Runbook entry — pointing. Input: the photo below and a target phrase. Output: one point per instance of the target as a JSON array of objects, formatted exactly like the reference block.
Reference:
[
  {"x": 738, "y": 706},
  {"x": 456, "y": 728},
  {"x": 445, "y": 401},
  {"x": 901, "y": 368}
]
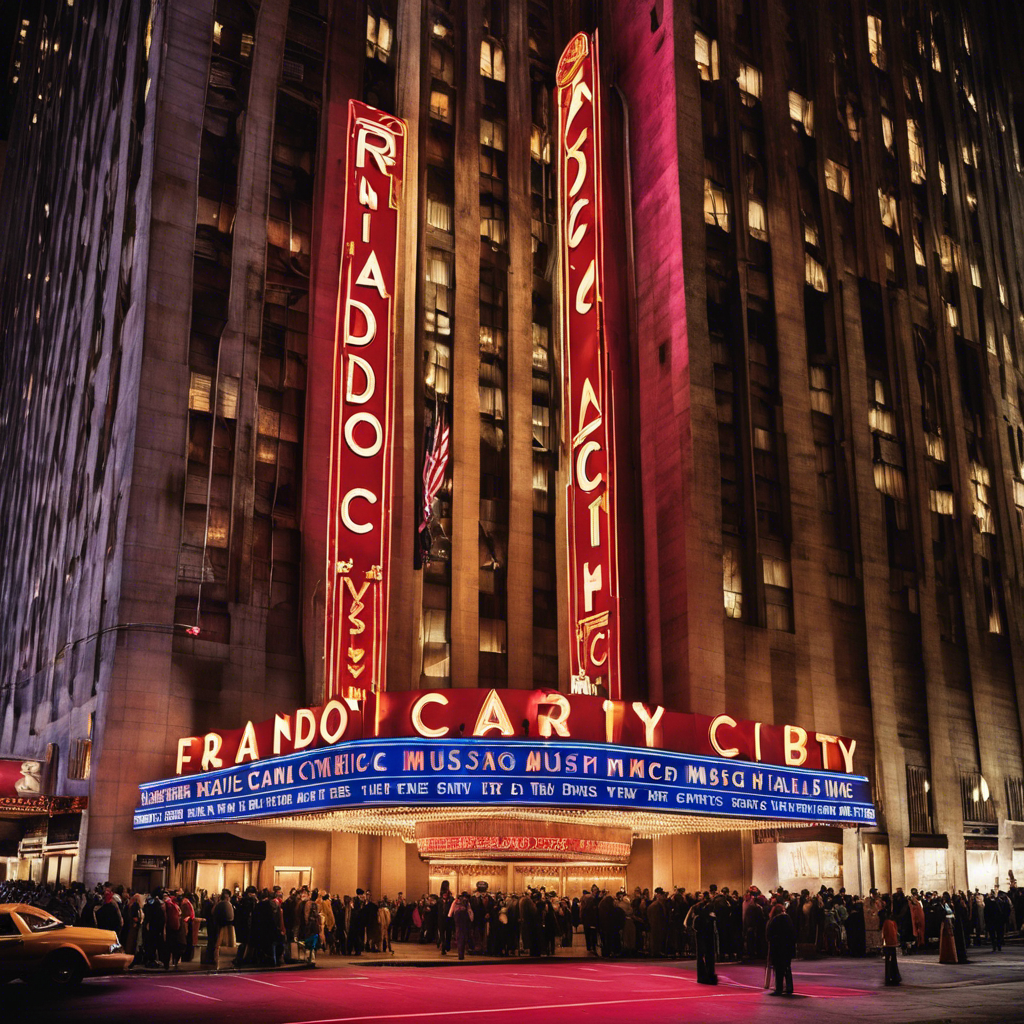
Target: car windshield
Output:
[{"x": 40, "y": 921}]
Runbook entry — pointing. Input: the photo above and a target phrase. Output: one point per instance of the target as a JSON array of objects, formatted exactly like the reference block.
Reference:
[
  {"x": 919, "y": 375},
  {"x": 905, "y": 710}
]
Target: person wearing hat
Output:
[
  {"x": 462, "y": 914},
  {"x": 702, "y": 919}
]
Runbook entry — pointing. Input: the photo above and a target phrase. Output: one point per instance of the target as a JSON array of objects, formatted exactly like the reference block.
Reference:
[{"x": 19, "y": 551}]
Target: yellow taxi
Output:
[{"x": 35, "y": 945}]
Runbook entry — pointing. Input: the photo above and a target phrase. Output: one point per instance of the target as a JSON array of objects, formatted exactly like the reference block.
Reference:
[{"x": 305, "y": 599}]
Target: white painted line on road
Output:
[
  {"x": 308, "y": 981},
  {"x": 493, "y": 983},
  {"x": 189, "y": 992},
  {"x": 468, "y": 1012},
  {"x": 257, "y": 981}
]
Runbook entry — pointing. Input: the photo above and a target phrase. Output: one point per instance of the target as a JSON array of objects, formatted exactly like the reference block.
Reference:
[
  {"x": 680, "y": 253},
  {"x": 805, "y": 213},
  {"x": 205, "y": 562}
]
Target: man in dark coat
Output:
[
  {"x": 657, "y": 920},
  {"x": 588, "y": 917},
  {"x": 703, "y": 920},
  {"x": 154, "y": 923},
  {"x": 530, "y": 923},
  {"x": 781, "y": 937},
  {"x": 610, "y": 935}
]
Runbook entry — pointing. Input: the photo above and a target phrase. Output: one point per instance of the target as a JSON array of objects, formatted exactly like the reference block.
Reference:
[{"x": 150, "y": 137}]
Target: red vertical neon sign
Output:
[
  {"x": 591, "y": 511},
  {"x": 362, "y": 421}
]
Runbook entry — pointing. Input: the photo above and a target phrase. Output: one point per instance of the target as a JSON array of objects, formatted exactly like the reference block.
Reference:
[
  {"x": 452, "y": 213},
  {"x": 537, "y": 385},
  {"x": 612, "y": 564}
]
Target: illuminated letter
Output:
[
  {"x": 247, "y": 749},
  {"x": 333, "y": 737},
  {"x": 303, "y": 738},
  {"x": 609, "y": 719},
  {"x": 757, "y": 741},
  {"x": 211, "y": 748},
  {"x": 346, "y": 518},
  {"x": 824, "y": 739},
  {"x": 588, "y": 399},
  {"x": 383, "y": 155},
  {"x": 371, "y": 277},
  {"x": 417, "y": 714},
  {"x": 796, "y": 745},
  {"x": 595, "y": 638},
  {"x": 583, "y": 304},
  {"x": 493, "y": 716},
  {"x": 576, "y": 236},
  {"x": 367, "y": 197},
  {"x": 591, "y": 583},
  {"x": 350, "y": 425},
  {"x": 650, "y": 721},
  {"x": 572, "y": 152},
  {"x": 547, "y": 723},
  {"x": 282, "y": 729},
  {"x": 586, "y": 484},
  {"x": 847, "y": 754},
  {"x": 371, "y": 380},
  {"x": 185, "y": 743},
  {"x": 371, "y": 323},
  {"x": 717, "y": 721}
]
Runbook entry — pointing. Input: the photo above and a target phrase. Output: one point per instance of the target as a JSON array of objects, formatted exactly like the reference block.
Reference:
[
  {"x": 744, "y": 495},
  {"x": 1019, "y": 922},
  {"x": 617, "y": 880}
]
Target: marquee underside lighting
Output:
[{"x": 402, "y": 821}]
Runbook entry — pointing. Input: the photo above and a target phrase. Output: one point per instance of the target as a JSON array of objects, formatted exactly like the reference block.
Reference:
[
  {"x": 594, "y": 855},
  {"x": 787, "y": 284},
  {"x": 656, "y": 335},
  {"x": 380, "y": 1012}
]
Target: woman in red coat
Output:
[
  {"x": 917, "y": 920},
  {"x": 890, "y": 941}
]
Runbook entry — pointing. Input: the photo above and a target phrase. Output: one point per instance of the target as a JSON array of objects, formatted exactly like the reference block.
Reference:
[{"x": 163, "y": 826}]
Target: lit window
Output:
[
  {"x": 200, "y": 385},
  {"x": 716, "y": 206},
  {"x": 749, "y": 79},
  {"x": 837, "y": 179},
  {"x": 889, "y": 209},
  {"x": 887, "y": 131},
  {"x": 440, "y": 105},
  {"x": 706, "y": 54},
  {"x": 952, "y": 315},
  {"x": 732, "y": 583},
  {"x": 975, "y": 274},
  {"x": 379, "y": 38},
  {"x": 775, "y": 571},
  {"x": 852, "y": 124},
  {"x": 917, "y": 158},
  {"x": 942, "y": 178},
  {"x": 876, "y": 47},
  {"x": 801, "y": 112},
  {"x": 540, "y": 145},
  {"x": 492, "y": 133},
  {"x": 811, "y": 236},
  {"x": 492, "y": 60},
  {"x": 814, "y": 273},
  {"x": 439, "y": 214},
  {"x": 757, "y": 222},
  {"x": 941, "y": 502}
]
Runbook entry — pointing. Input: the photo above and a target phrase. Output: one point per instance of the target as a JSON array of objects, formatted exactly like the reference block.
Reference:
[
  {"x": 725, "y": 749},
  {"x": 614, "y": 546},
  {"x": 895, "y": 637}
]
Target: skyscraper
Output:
[{"x": 812, "y": 216}]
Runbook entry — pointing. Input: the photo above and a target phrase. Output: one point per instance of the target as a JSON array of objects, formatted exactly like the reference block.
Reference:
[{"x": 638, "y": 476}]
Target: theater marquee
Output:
[
  {"x": 359, "y": 496},
  {"x": 505, "y": 773},
  {"x": 591, "y": 512}
]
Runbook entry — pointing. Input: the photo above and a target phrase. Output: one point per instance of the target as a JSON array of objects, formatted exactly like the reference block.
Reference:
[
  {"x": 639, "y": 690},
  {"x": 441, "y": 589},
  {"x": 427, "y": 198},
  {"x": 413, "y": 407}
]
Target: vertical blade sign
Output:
[
  {"x": 587, "y": 411},
  {"x": 362, "y": 427}
]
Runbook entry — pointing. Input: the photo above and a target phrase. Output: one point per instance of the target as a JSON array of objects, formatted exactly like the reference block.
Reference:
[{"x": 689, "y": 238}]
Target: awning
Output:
[{"x": 217, "y": 846}]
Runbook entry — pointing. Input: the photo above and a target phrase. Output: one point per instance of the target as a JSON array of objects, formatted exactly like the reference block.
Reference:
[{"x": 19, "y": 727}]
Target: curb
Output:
[{"x": 205, "y": 972}]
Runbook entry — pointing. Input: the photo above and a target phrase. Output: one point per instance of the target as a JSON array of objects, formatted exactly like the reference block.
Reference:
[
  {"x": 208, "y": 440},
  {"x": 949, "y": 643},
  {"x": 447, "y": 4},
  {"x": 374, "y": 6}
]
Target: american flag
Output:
[{"x": 435, "y": 465}]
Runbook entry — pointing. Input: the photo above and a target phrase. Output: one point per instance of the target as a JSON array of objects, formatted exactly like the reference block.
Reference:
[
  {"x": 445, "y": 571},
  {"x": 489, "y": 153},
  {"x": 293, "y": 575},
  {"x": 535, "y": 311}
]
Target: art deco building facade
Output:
[{"x": 821, "y": 207}]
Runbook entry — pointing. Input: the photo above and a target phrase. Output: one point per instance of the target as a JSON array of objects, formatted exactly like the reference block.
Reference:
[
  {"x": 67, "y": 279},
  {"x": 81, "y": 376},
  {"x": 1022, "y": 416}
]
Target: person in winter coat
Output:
[
  {"x": 133, "y": 944},
  {"x": 530, "y": 924},
  {"x": 611, "y": 934},
  {"x": 917, "y": 921},
  {"x": 154, "y": 924},
  {"x": 588, "y": 918},
  {"x": 701, "y": 919},
  {"x": 781, "y": 936},
  {"x": 462, "y": 914},
  {"x": 222, "y": 915},
  {"x": 657, "y": 922},
  {"x": 890, "y": 940},
  {"x": 108, "y": 913}
]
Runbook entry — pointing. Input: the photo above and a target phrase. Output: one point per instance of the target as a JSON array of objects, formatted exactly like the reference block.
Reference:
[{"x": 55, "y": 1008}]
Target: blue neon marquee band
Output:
[{"x": 287, "y": 785}]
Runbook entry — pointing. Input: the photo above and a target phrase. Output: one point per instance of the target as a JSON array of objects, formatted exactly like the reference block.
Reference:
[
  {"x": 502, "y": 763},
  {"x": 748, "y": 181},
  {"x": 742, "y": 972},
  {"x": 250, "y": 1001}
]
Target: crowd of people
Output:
[{"x": 268, "y": 927}]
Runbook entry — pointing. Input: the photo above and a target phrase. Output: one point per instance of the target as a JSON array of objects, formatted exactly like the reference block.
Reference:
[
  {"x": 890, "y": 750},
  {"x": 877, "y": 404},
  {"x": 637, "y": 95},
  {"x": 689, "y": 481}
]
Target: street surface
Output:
[{"x": 570, "y": 991}]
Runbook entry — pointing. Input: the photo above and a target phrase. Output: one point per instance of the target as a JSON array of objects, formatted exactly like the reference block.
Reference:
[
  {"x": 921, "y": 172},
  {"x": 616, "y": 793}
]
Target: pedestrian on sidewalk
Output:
[
  {"x": 890, "y": 942},
  {"x": 314, "y": 925},
  {"x": 462, "y": 914},
  {"x": 781, "y": 937}
]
